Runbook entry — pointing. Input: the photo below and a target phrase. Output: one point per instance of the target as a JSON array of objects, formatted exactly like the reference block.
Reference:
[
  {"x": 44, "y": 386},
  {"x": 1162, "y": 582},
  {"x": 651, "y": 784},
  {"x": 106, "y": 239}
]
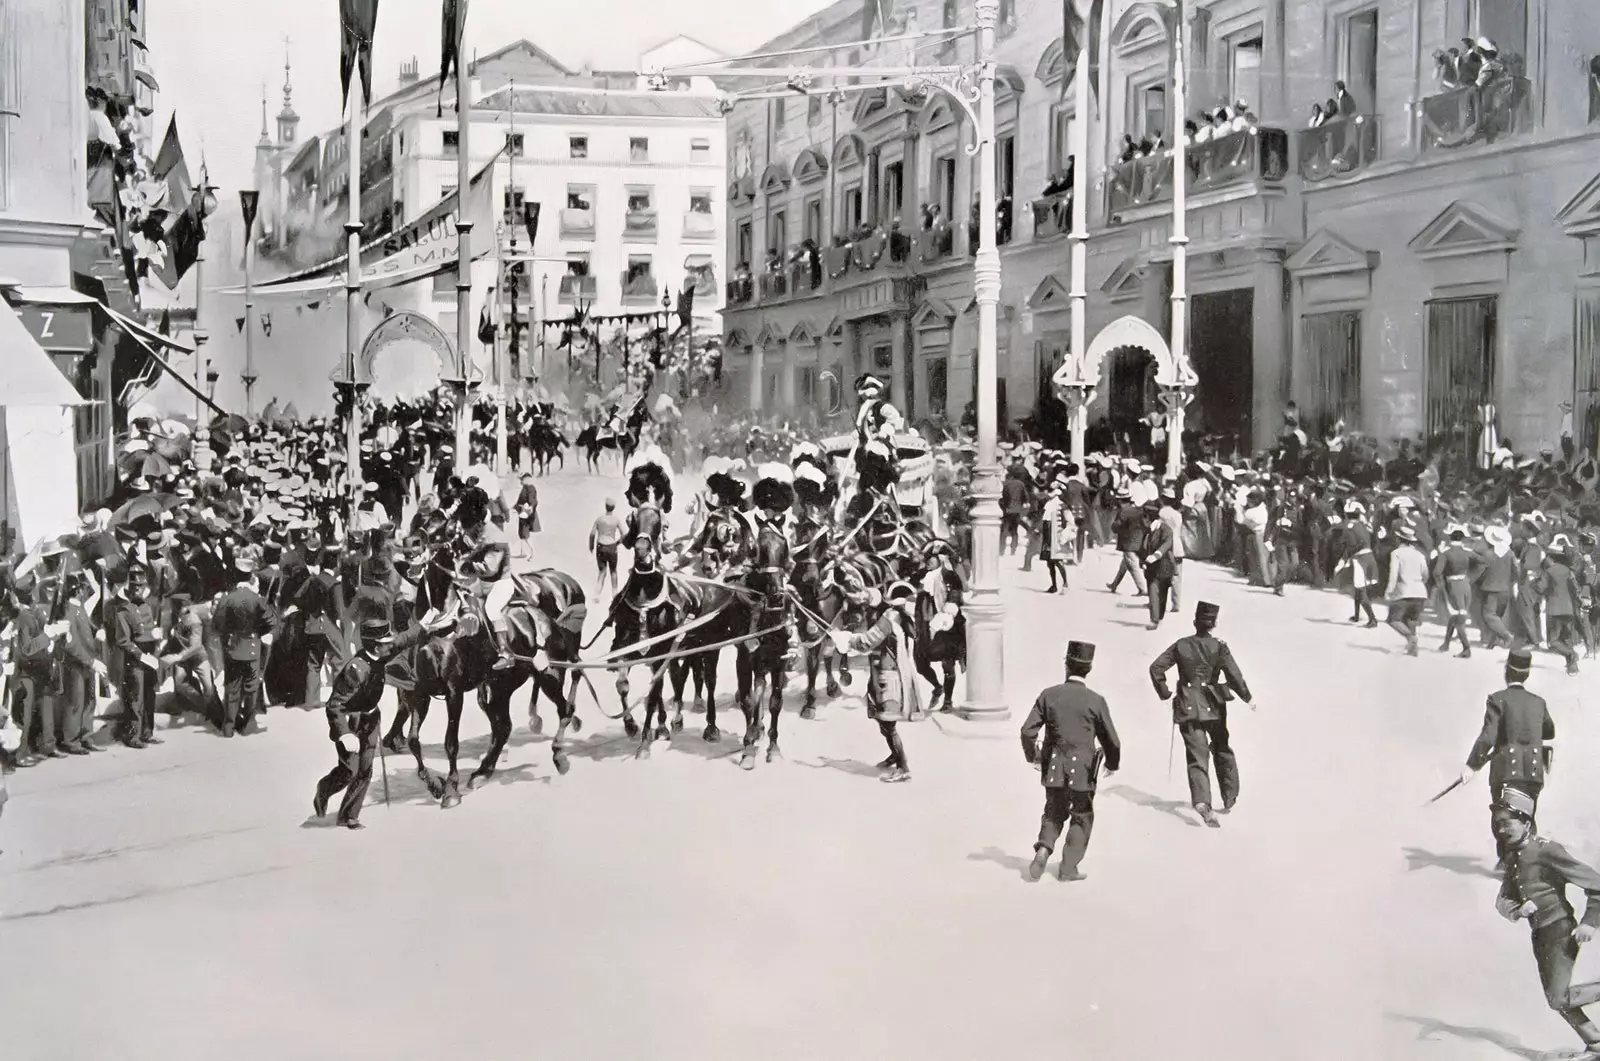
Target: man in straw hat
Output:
[
  {"x": 1079, "y": 738},
  {"x": 353, "y": 714},
  {"x": 1538, "y": 873},
  {"x": 1408, "y": 586},
  {"x": 1496, "y": 582},
  {"x": 1208, "y": 678},
  {"x": 1515, "y": 742}
]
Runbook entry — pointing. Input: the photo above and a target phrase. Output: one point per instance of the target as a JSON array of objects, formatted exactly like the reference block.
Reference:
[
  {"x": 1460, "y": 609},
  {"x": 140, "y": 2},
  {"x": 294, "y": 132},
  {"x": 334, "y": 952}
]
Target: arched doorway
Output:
[{"x": 1131, "y": 392}]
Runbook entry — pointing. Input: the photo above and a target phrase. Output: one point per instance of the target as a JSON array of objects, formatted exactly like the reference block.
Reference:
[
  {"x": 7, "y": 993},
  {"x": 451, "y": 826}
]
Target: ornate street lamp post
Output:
[{"x": 972, "y": 89}]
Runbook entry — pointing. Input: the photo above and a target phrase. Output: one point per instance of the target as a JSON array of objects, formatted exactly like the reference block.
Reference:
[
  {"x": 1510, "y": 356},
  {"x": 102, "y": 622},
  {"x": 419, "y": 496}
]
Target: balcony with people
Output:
[
  {"x": 1339, "y": 140},
  {"x": 577, "y": 217},
  {"x": 937, "y": 240},
  {"x": 639, "y": 283},
  {"x": 1223, "y": 147},
  {"x": 1483, "y": 96},
  {"x": 576, "y": 284},
  {"x": 640, "y": 220},
  {"x": 773, "y": 283},
  {"x": 805, "y": 268},
  {"x": 1052, "y": 210},
  {"x": 740, "y": 289}
]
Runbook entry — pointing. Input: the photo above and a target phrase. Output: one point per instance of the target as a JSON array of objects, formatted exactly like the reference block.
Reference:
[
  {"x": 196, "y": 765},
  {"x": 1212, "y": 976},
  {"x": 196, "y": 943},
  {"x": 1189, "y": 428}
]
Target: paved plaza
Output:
[{"x": 176, "y": 904}]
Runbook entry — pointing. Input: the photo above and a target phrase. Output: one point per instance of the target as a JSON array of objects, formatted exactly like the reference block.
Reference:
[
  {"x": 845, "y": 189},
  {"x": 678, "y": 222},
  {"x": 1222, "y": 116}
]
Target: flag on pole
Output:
[
  {"x": 358, "y": 21},
  {"x": 1079, "y": 36},
  {"x": 530, "y": 223},
  {"x": 238, "y": 323},
  {"x": 170, "y": 168},
  {"x": 451, "y": 32}
]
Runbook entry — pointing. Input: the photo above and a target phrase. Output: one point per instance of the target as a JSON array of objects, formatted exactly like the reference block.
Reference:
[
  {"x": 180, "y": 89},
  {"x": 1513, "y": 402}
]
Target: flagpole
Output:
[
  {"x": 352, "y": 286},
  {"x": 511, "y": 198},
  {"x": 202, "y": 432},
  {"x": 249, "y": 376},
  {"x": 464, "y": 250},
  {"x": 1078, "y": 295},
  {"x": 1180, "y": 251}
]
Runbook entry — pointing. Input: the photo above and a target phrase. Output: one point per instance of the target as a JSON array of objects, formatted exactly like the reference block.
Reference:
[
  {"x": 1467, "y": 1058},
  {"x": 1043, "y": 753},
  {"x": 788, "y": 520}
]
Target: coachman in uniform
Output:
[
  {"x": 1207, "y": 679},
  {"x": 353, "y": 715},
  {"x": 1538, "y": 873},
  {"x": 1078, "y": 739},
  {"x": 1514, "y": 743}
]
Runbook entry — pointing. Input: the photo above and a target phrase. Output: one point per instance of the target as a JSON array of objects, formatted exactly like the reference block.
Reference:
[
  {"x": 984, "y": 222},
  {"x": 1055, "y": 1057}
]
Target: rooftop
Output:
[{"x": 597, "y": 103}]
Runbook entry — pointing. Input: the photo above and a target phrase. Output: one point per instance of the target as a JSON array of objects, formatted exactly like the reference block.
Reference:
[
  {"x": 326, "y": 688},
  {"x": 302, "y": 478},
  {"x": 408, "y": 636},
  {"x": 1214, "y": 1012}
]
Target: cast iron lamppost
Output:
[
  {"x": 972, "y": 89},
  {"x": 249, "y": 200}
]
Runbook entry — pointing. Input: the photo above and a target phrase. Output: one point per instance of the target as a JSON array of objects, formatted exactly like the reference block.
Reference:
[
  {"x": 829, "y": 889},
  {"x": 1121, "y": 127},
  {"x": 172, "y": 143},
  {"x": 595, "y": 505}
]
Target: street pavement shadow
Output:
[
  {"x": 1464, "y": 865},
  {"x": 406, "y": 787},
  {"x": 1429, "y": 1028},
  {"x": 1173, "y": 807},
  {"x": 844, "y": 766},
  {"x": 1004, "y": 859},
  {"x": 1130, "y": 623}
]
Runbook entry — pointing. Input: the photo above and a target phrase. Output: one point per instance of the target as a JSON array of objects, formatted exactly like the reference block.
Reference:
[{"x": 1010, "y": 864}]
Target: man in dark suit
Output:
[
  {"x": 1514, "y": 742},
  {"x": 134, "y": 635},
  {"x": 80, "y": 665},
  {"x": 1159, "y": 565},
  {"x": 353, "y": 716},
  {"x": 242, "y": 622},
  {"x": 527, "y": 509},
  {"x": 1207, "y": 679},
  {"x": 1078, "y": 738}
]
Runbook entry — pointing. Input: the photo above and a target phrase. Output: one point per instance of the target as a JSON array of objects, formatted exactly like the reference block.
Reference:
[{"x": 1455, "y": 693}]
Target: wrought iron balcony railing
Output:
[
  {"x": 1259, "y": 154},
  {"x": 1339, "y": 148},
  {"x": 1475, "y": 114}
]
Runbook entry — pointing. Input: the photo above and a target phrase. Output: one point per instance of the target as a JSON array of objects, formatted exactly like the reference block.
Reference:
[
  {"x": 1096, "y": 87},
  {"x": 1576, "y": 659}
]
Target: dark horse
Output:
[
  {"x": 820, "y": 601},
  {"x": 596, "y": 438},
  {"x": 721, "y": 555},
  {"x": 545, "y": 441},
  {"x": 538, "y": 634}
]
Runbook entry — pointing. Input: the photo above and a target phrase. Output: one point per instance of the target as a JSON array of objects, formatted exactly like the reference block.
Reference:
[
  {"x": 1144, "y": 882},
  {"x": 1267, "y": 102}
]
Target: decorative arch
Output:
[
  {"x": 850, "y": 150},
  {"x": 938, "y": 114},
  {"x": 405, "y": 326},
  {"x": 775, "y": 179},
  {"x": 1142, "y": 24},
  {"x": 737, "y": 339},
  {"x": 1052, "y": 66},
  {"x": 810, "y": 167},
  {"x": 870, "y": 102},
  {"x": 1124, "y": 332}
]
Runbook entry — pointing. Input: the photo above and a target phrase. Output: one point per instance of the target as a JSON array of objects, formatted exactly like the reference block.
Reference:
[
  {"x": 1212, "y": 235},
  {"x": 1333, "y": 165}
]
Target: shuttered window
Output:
[
  {"x": 1331, "y": 387},
  {"x": 1460, "y": 370},
  {"x": 1586, "y": 371}
]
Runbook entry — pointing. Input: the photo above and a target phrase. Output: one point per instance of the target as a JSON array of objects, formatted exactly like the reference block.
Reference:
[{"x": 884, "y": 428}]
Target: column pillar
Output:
[
  {"x": 1273, "y": 106},
  {"x": 1204, "y": 89},
  {"x": 787, "y": 379},
  {"x": 1154, "y": 296},
  {"x": 897, "y": 368},
  {"x": 758, "y": 372},
  {"x": 1270, "y": 360}
]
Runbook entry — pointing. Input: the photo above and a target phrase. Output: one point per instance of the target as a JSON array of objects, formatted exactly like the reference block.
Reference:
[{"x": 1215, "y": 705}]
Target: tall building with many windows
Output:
[
  {"x": 1422, "y": 259},
  {"x": 629, "y": 182}
]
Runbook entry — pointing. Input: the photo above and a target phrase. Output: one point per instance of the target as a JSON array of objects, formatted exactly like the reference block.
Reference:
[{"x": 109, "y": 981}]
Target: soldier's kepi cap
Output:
[
  {"x": 1515, "y": 801},
  {"x": 373, "y": 629},
  {"x": 1080, "y": 652},
  {"x": 1519, "y": 662},
  {"x": 1206, "y": 612}
]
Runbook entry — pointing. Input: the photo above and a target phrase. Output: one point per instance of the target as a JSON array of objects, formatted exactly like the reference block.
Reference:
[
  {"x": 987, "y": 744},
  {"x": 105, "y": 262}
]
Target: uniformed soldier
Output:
[
  {"x": 134, "y": 635},
  {"x": 1207, "y": 679},
  {"x": 353, "y": 715},
  {"x": 1515, "y": 742},
  {"x": 1538, "y": 873},
  {"x": 1078, "y": 739},
  {"x": 891, "y": 690},
  {"x": 242, "y": 622}
]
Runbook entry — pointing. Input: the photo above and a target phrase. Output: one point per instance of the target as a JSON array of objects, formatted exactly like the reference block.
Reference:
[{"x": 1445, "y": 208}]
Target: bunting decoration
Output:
[
  {"x": 266, "y": 325},
  {"x": 314, "y": 306},
  {"x": 238, "y": 323},
  {"x": 358, "y": 21},
  {"x": 454, "y": 23},
  {"x": 388, "y": 311}
]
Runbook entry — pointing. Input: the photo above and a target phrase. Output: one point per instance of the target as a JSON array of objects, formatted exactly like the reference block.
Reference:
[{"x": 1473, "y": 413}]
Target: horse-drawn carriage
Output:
[{"x": 914, "y": 490}]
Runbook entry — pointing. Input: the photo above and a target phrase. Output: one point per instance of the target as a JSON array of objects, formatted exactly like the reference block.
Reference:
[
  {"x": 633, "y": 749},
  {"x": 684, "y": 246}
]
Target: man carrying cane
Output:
[{"x": 353, "y": 715}]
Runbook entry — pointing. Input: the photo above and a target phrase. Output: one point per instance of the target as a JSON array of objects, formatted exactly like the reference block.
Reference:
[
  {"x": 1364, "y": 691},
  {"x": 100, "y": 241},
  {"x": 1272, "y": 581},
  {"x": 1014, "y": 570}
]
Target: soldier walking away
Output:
[
  {"x": 1538, "y": 873},
  {"x": 242, "y": 623},
  {"x": 1515, "y": 743},
  {"x": 353, "y": 715},
  {"x": 1079, "y": 738},
  {"x": 1208, "y": 678},
  {"x": 1453, "y": 570}
]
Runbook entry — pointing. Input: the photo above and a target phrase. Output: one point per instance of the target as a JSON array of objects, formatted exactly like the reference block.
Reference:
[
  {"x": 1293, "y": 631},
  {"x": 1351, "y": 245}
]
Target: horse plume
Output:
[
  {"x": 649, "y": 479},
  {"x": 775, "y": 487}
]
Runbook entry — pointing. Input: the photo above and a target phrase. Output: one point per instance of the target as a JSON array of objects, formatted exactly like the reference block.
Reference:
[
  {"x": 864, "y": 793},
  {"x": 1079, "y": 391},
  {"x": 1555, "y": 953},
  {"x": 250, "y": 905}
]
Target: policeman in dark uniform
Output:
[
  {"x": 1514, "y": 742},
  {"x": 1207, "y": 679},
  {"x": 1538, "y": 873},
  {"x": 353, "y": 716},
  {"x": 242, "y": 622},
  {"x": 134, "y": 636},
  {"x": 1078, "y": 739}
]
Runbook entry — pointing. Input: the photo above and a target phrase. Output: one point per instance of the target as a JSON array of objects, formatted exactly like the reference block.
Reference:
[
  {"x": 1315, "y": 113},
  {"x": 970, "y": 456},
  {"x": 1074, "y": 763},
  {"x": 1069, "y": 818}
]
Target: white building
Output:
[{"x": 630, "y": 185}]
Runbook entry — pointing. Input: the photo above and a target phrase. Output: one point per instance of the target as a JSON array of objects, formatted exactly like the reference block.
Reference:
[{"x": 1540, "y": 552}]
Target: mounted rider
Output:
[
  {"x": 484, "y": 571},
  {"x": 771, "y": 564}
]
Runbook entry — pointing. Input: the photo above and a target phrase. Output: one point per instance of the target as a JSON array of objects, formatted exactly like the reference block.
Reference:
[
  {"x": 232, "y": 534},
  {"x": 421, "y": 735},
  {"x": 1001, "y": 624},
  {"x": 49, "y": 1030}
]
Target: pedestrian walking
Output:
[
  {"x": 1453, "y": 570},
  {"x": 1538, "y": 873},
  {"x": 1497, "y": 584},
  {"x": 1408, "y": 586},
  {"x": 1057, "y": 535},
  {"x": 604, "y": 538},
  {"x": 353, "y": 715},
  {"x": 1129, "y": 530},
  {"x": 1208, "y": 678},
  {"x": 1079, "y": 739},
  {"x": 1159, "y": 567},
  {"x": 1562, "y": 595},
  {"x": 527, "y": 509},
  {"x": 1514, "y": 742}
]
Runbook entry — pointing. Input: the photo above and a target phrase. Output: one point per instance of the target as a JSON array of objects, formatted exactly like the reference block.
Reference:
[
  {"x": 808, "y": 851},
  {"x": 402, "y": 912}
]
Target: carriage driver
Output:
[
  {"x": 486, "y": 560},
  {"x": 875, "y": 417}
]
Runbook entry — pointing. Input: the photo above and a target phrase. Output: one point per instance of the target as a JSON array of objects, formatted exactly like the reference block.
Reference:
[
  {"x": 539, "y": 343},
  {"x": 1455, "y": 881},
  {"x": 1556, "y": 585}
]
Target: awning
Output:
[
  {"x": 137, "y": 333},
  {"x": 52, "y": 296},
  {"x": 149, "y": 337},
  {"x": 27, "y": 375}
]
